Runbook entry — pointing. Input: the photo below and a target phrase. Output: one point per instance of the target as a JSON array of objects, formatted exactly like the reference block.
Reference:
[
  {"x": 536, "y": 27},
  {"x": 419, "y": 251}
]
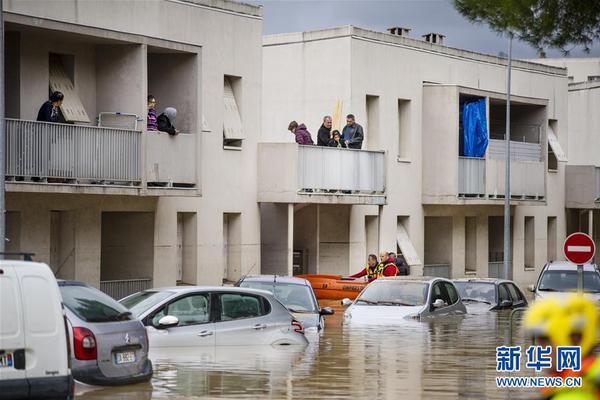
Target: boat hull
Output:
[{"x": 333, "y": 287}]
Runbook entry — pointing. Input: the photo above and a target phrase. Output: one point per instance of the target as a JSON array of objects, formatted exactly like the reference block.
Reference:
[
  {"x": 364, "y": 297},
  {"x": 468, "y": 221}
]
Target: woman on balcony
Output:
[{"x": 50, "y": 110}]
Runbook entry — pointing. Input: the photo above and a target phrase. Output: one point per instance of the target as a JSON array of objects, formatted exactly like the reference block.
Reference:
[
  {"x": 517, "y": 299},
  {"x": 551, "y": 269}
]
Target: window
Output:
[
  {"x": 91, "y": 305},
  {"x": 503, "y": 294},
  {"x": 470, "y": 244},
  {"x": 372, "y": 134},
  {"x": 452, "y": 294},
  {"x": 297, "y": 298},
  {"x": 233, "y": 131},
  {"x": 515, "y": 294},
  {"x": 438, "y": 292},
  {"x": 551, "y": 239},
  {"x": 529, "y": 242},
  {"x": 404, "y": 130},
  {"x": 239, "y": 306},
  {"x": 555, "y": 151},
  {"x": 190, "y": 310}
]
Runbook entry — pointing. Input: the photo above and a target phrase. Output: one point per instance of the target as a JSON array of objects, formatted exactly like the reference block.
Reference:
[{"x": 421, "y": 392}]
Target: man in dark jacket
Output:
[
  {"x": 165, "y": 121},
  {"x": 324, "y": 136},
  {"x": 400, "y": 264},
  {"x": 50, "y": 110},
  {"x": 301, "y": 133},
  {"x": 352, "y": 134}
]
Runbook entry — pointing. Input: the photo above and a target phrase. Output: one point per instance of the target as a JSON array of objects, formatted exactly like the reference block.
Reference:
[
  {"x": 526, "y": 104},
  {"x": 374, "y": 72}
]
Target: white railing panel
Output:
[
  {"x": 72, "y": 152},
  {"x": 326, "y": 168},
  {"x": 519, "y": 151},
  {"x": 471, "y": 176},
  {"x": 526, "y": 178}
]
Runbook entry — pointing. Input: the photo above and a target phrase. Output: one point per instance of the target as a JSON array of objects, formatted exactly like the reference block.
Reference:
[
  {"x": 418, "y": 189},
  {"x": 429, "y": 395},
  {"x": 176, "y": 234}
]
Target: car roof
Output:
[
  {"x": 190, "y": 289},
  {"x": 65, "y": 282},
  {"x": 566, "y": 265},
  {"x": 277, "y": 278},
  {"x": 482, "y": 280},
  {"x": 424, "y": 279},
  {"x": 20, "y": 263}
]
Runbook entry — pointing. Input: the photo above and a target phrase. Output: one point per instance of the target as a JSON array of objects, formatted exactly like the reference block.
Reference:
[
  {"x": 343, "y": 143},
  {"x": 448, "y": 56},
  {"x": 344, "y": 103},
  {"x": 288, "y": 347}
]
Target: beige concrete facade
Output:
[
  {"x": 200, "y": 222},
  {"x": 407, "y": 93}
]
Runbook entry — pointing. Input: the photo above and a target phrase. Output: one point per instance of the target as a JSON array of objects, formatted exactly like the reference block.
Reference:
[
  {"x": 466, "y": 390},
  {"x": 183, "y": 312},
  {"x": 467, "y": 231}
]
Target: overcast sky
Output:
[{"x": 422, "y": 16}]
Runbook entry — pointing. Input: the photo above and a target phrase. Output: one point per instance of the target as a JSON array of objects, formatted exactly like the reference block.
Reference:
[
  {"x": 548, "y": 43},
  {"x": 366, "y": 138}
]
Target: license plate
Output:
[
  {"x": 6, "y": 360},
  {"x": 125, "y": 357}
]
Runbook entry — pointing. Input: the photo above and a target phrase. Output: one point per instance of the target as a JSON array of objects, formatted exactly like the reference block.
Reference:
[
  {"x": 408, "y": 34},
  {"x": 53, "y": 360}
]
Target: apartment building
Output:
[
  {"x": 100, "y": 198},
  {"x": 411, "y": 188}
]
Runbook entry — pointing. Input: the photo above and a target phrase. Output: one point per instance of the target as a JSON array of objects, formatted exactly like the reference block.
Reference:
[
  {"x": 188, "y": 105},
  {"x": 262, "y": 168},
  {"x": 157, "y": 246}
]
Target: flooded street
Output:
[{"x": 446, "y": 358}]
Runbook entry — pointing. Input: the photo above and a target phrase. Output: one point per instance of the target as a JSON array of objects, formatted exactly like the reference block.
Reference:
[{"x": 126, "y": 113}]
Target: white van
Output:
[{"x": 34, "y": 359}]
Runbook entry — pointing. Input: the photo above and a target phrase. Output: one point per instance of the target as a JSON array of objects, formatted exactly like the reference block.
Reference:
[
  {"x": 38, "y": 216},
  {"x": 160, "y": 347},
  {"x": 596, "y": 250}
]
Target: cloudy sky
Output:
[{"x": 422, "y": 16}]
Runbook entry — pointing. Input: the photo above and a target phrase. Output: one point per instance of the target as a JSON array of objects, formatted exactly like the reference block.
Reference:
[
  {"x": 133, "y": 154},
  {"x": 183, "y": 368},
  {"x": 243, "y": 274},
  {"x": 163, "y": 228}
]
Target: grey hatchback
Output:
[{"x": 108, "y": 345}]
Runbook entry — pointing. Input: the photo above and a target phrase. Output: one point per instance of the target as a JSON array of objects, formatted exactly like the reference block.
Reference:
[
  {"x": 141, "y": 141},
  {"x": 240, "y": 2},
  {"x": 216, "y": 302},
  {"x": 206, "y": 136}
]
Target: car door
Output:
[
  {"x": 242, "y": 319},
  {"x": 194, "y": 328},
  {"x": 518, "y": 299},
  {"x": 455, "y": 306},
  {"x": 438, "y": 291}
]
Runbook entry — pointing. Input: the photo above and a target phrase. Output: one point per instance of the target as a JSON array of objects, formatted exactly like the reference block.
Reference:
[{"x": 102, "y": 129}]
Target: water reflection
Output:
[{"x": 446, "y": 358}]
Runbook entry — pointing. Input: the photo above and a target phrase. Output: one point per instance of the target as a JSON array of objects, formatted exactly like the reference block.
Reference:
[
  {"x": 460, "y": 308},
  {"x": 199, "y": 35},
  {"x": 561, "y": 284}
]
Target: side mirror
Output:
[
  {"x": 326, "y": 311},
  {"x": 439, "y": 303},
  {"x": 506, "y": 304},
  {"x": 531, "y": 288},
  {"x": 168, "y": 321},
  {"x": 346, "y": 302}
]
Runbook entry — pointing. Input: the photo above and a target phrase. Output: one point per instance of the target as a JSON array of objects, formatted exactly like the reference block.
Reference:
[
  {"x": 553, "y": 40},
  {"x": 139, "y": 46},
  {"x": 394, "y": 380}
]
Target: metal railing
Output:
[
  {"x": 471, "y": 176},
  {"x": 519, "y": 151},
  {"x": 329, "y": 168},
  {"x": 438, "y": 270},
  {"x": 495, "y": 269},
  {"x": 118, "y": 289},
  {"x": 72, "y": 152}
]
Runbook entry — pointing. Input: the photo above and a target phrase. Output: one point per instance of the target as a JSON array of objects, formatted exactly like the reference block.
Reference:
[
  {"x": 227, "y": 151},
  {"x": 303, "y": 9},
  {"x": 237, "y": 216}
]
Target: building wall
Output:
[
  {"x": 227, "y": 37},
  {"x": 578, "y": 68},
  {"x": 584, "y": 124}
]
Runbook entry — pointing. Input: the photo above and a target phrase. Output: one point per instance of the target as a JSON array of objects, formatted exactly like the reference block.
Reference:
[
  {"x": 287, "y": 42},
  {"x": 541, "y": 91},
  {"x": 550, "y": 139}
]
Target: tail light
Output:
[
  {"x": 84, "y": 344},
  {"x": 297, "y": 326}
]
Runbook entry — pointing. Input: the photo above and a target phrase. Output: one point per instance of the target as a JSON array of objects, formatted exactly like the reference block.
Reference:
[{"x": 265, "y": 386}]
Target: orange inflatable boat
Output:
[{"x": 333, "y": 287}]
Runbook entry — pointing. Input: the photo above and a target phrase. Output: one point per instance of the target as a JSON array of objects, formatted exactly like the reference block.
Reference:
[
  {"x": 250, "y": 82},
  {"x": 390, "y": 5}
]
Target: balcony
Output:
[
  {"x": 55, "y": 157},
  {"x": 289, "y": 173},
  {"x": 582, "y": 186}
]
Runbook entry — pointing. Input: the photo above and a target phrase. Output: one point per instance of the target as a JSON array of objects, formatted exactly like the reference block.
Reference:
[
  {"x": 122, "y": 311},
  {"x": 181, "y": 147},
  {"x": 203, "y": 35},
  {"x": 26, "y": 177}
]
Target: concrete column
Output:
[
  {"x": 88, "y": 241},
  {"x": 290, "y": 239},
  {"x": 482, "y": 245},
  {"x": 458, "y": 246},
  {"x": 35, "y": 232},
  {"x": 357, "y": 239},
  {"x": 165, "y": 246},
  {"x": 591, "y": 223}
]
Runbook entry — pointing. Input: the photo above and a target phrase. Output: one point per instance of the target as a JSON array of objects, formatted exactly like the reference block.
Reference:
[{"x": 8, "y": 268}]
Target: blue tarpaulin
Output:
[{"x": 475, "y": 135}]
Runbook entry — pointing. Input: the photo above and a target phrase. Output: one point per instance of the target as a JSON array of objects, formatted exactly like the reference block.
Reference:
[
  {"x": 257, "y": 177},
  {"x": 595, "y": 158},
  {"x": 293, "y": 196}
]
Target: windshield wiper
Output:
[
  {"x": 300, "y": 311},
  {"x": 476, "y": 300},
  {"x": 367, "y": 301},
  {"x": 394, "y": 303},
  {"x": 548, "y": 290}
]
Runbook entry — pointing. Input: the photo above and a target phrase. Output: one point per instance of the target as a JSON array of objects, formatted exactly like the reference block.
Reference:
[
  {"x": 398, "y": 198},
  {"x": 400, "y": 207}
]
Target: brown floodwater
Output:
[{"x": 447, "y": 358}]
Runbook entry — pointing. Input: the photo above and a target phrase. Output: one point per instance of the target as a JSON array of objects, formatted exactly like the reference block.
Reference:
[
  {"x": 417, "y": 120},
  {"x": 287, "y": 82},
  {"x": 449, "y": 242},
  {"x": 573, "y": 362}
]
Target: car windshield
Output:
[
  {"x": 563, "y": 281},
  {"x": 92, "y": 305},
  {"x": 142, "y": 301},
  {"x": 394, "y": 293},
  {"x": 478, "y": 291},
  {"x": 297, "y": 298}
]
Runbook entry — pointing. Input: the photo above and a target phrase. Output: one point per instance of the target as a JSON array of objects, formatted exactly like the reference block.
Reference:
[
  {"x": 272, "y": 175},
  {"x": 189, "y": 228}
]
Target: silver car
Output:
[
  {"x": 295, "y": 293},
  {"x": 211, "y": 316},
  {"x": 108, "y": 345},
  {"x": 560, "y": 277},
  {"x": 392, "y": 300}
]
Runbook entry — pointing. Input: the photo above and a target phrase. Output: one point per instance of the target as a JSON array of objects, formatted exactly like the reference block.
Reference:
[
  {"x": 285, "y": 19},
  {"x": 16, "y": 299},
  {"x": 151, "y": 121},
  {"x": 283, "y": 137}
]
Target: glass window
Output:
[
  {"x": 297, "y": 298},
  {"x": 503, "y": 294},
  {"x": 561, "y": 281},
  {"x": 238, "y": 306},
  {"x": 92, "y": 305},
  {"x": 514, "y": 293},
  {"x": 439, "y": 293},
  {"x": 394, "y": 293},
  {"x": 190, "y": 310},
  {"x": 452, "y": 295},
  {"x": 478, "y": 291},
  {"x": 143, "y": 301}
]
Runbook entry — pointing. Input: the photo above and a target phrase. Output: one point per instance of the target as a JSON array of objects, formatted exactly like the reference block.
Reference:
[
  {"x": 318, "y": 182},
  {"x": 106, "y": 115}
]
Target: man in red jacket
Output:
[{"x": 375, "y": 270}]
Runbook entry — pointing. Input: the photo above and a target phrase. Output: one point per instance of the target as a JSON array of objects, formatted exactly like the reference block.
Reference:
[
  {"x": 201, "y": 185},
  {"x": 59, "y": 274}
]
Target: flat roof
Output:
[{"x": 407, "y": 42}]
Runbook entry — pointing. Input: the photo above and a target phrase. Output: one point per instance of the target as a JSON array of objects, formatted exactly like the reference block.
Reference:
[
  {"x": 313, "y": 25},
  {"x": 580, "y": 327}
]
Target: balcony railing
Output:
[
  {"x": 118, "y": 289},
  {"x": 471, "y": 177},
  {"x": 72, "y": 153},
  {"x": 519, "y": 151},
  {"x": 527, "y": 179},
  {"x": 328, "y": 168}
]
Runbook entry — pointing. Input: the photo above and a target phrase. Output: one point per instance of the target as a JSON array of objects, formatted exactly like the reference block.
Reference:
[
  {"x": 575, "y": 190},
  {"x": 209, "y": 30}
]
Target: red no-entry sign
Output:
[{"x": 579, "y": 248}]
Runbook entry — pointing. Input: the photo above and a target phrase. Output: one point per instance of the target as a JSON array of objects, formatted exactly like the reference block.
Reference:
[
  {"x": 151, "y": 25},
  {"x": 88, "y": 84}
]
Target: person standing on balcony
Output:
[
  {"x": 50, "y": 110},
  {"x": 301, "y": 133},
  {"x": 152, "y": 125},
  {"x": 165, "y": 120},
  {"x": 325, "y": 135},
  {"x": 352, "y": 134},
  {"x": 337, "y": 140}
]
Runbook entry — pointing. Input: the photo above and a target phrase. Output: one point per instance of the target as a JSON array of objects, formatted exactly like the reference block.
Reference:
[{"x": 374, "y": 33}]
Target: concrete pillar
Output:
[
  {"x": 458, "y": 246},
  {"x": 357, "y": 239},
  {"x": 277, "y": 240},
  {"x": 482, "y": 245},
  {"x": 290, "y": 239},
  {"x": 591, "y": 223},
  {"x": 165, "y": 246},
  {"x": 35, "y": 232},
  {"x": 88, "y": 241}
]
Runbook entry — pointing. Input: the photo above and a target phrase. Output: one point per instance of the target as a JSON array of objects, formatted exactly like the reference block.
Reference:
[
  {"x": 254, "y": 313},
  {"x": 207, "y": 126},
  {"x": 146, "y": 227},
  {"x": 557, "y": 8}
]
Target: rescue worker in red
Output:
[{"x": 374, "y": 270}]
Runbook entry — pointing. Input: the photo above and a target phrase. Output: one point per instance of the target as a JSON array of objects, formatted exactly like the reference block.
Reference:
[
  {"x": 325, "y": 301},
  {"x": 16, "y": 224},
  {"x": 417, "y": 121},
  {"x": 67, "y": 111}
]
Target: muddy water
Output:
[{"x": 443, "y": 359}]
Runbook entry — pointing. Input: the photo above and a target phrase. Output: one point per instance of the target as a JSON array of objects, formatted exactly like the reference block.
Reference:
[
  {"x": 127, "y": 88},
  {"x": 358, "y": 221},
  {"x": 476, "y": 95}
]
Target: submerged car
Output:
[
  {"x": 207, "y": 316},
  {"x": 496, "y": 293},
  {"x": 108, "y": 345},
  {"x": 560, "y": 277},
  {"x": 390, "y": 300},
  {"x": 295, "y": 293}
]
